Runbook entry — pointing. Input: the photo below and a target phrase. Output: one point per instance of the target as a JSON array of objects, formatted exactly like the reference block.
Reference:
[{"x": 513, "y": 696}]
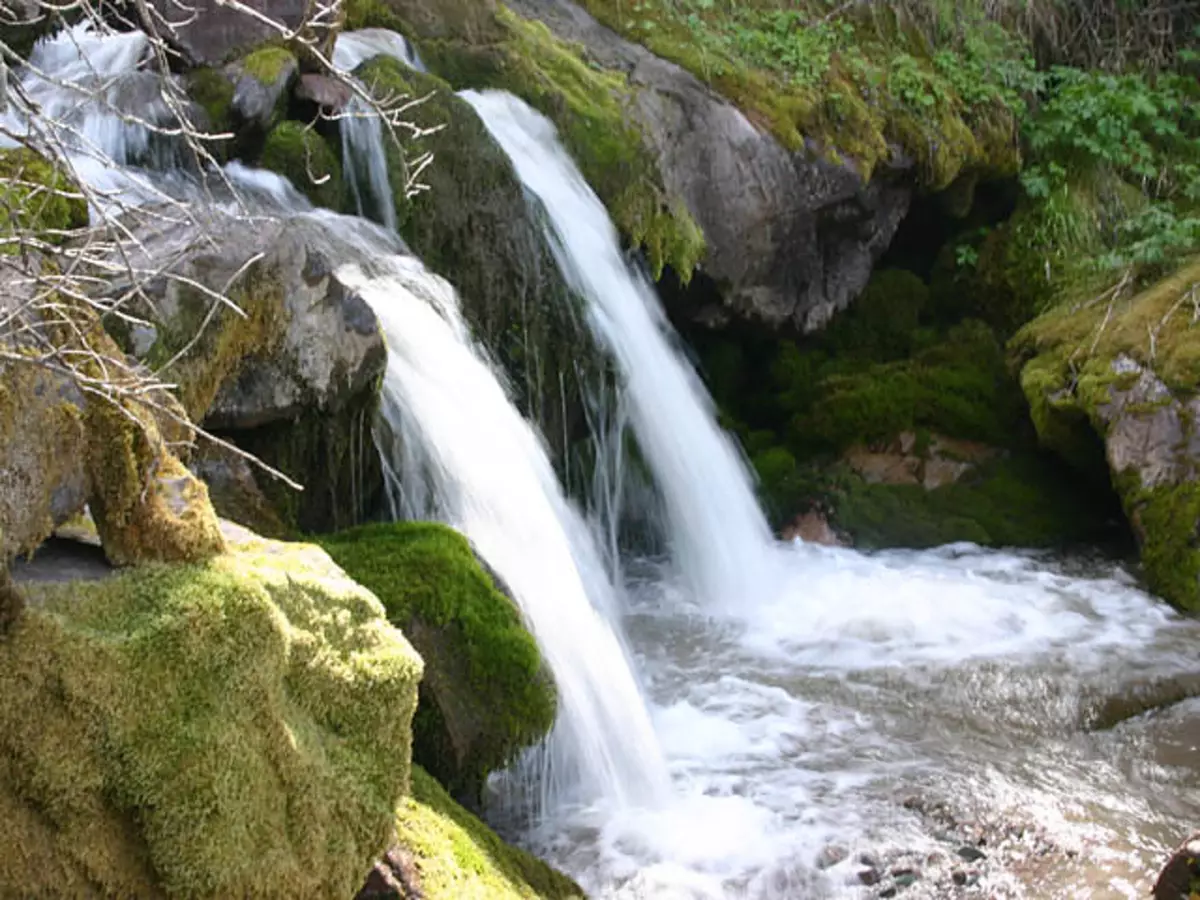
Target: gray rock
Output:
[
  {"x": 794, "y": 238},
  {"x": 328, "y": 93},
  {"x": 257, "y": 102},
  {"x": 210, "y": 32}
]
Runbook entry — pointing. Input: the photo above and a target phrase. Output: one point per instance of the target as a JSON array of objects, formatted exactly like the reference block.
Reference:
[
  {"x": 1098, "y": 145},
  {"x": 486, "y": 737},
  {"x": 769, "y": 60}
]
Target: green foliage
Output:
[
  {"x": 234, "y": 729},
  {"x": 487, "y": 694},
  {"x": 460, "y": 858},
  {"x": 851, "y": 76},
  {"x": 305, "y": 158}
]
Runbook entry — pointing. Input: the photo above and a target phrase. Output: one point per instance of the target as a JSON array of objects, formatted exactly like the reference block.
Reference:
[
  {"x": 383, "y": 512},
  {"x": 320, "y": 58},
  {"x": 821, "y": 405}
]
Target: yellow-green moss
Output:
[
  {"x": 266, "y": 64},
  {"x": 851, "y": 81},
  {"x": 147, "y": 506},
  {"x": 36, "y": 197},
  {"x": 305, "y": 158},
  {"x": 487, "y": 694},
  {"x": 459, "y": 858},
  {"x": 233, "y": 729}
]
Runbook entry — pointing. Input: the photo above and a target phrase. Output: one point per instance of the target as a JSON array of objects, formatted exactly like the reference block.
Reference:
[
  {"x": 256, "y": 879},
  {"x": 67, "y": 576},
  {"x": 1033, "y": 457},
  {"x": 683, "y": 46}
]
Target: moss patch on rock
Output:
[
  {"x": 37, "y": 197},
  {"x": 487, "y": 693},
  {"x": 459, "y": 858},
  {"x": 233, "y": 729},
  {"x": 305, "y": 158}
]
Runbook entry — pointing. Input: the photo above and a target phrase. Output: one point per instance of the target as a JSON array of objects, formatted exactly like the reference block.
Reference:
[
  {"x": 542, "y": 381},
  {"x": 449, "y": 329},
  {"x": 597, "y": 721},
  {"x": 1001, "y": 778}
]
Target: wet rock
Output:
[
  {"x": 1180, "y": 877},
  {"x": 210, "y": 32},
  {"x": 870, "y": 877},
  {"x": 970, "y": 854},
  {"x": 832, "y": 855},
  {"x": 964, "y": 879},
  {"x": 395, "y": 877},
  {"x": 328, "y": 93},
  {"x": 813, "y": 527}
]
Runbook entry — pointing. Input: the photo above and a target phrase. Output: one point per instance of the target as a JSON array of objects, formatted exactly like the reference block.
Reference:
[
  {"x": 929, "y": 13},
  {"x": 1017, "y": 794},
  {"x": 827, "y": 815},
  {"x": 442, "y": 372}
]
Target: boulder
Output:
[
  {"x": 1180, "y": 877},
  {"x": 212, "y": 32},
  {"x": 1112, "y": 390},
  {"x": 791, "y": 237},
  {"x": 487, "y": 693},
  {"x": 234, "y": 729},
  {"x": 260, "y": 83}
]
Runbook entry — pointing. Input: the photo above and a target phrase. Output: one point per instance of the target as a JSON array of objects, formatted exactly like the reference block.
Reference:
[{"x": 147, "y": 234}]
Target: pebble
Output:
[
  {"x": 869, "y": 876},
  {"x": 830, "y": 856},
  {"x": 970, "y": 854}
]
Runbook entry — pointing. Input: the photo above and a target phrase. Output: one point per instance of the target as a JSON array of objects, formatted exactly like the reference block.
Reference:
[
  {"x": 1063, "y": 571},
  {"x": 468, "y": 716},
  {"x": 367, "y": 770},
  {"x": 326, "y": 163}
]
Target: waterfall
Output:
[
  {"x": 719, "y": 538},
  {"x": 363, "y": 154},
  {"x": 458, "y": 450}
]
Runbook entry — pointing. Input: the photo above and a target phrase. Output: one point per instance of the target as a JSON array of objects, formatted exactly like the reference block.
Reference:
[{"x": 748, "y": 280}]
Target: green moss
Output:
[
  {"x": 37, "y": 198},
  {"x": 460, "y": 858},
  {"x": 267, "y": 64},
  {"x": 852, "y": 82},
  {"x": 1167, "y": 522},
  {"x": 233, "y": 729},
  {"x": 882, "y": 323},
  {"x": 486, "y": 694},
  {"x": 212, "y": 91},
  {"x": 1020, "y": 501},
  {"x": 305, "y": 158},
  {"x": 591, "y": 107}
]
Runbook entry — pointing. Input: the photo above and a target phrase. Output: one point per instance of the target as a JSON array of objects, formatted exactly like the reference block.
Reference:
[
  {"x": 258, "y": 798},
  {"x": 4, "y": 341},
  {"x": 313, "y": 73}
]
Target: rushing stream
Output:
[{"x": 741, "y": 718}]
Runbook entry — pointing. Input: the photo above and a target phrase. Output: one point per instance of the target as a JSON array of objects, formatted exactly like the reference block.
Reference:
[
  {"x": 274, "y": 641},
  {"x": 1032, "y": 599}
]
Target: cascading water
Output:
[
  {"x": 363, "y": 151},
  {"x": 460, "y": 451},
  {"x": 718, "y": 535}
]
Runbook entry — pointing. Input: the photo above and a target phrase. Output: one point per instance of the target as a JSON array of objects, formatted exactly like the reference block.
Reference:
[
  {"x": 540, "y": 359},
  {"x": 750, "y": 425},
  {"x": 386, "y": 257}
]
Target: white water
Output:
[
  {"x": 364, "y": 157},
  {"x": 461, "y": 452},
  {"x": 719, "y": 538}
]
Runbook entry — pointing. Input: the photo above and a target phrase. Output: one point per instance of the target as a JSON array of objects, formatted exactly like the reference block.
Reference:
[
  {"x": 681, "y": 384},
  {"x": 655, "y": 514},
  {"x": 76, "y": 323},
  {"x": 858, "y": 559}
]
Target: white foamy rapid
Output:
[
  {"x": 364, "y": 155},
  {"x": 719, "y": 538},
  {"x": 460, "y": 451}
]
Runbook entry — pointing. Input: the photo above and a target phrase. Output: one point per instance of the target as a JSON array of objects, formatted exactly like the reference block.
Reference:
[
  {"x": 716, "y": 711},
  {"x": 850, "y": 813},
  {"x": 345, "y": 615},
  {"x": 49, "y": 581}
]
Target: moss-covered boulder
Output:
[
  {"x": 238, "y": 728},
  {"x": 448, "y": 854},
  {"x": 305, "y": 158},
  {"x": 487, "y": 693},
  {"x": 1114, "y": 381}
]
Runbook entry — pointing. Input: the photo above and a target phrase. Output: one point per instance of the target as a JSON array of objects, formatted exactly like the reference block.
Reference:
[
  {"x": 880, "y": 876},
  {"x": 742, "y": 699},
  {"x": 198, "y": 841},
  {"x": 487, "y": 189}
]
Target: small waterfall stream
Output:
[
  {"x": 718, "y": 535},
  {"x": 799, "y": 697}
]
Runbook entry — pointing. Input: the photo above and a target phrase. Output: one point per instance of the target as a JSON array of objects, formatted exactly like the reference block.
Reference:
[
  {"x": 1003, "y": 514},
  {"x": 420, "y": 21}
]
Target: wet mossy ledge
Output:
[
  {"x": 487, "y": 693},
  {"x": 37, "y": 198},
  {"x": 235, "y": 728}
]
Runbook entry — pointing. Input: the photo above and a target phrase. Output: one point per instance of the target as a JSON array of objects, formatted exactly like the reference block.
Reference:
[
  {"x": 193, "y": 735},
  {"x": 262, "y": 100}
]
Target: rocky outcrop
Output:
[
  {"x": 486, "y": 694},
  {"x": 1180, "y": 877},
  {"x": 237, "y": 729},
  {"x": 291, "y": 373},
  {"x": 1112, "y": 390},
  {"x": 790, "y": 237}
]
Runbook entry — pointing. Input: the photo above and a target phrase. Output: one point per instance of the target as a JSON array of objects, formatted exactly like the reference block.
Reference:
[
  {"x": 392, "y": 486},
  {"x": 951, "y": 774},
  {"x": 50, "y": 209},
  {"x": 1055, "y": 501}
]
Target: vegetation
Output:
[
  {"x": 300, "y": 153},
  {"x": 233, "y": 729},
  {"x": 459, "y": 858},
  {"x": 487, "y": 694}
]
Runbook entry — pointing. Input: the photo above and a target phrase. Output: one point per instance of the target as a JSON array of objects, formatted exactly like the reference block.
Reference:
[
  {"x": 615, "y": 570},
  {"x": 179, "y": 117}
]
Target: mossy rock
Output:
[
  {"x": 474, "y": 226},
  {"x": 305, "y": 158},
  {"x": 239, "y": 728},
  {"x": 457, "y": 857},
  {"x": 492, "y": 47},
  {"x": 37, "y": 198},
  {"x": 487, "y": 693}
]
